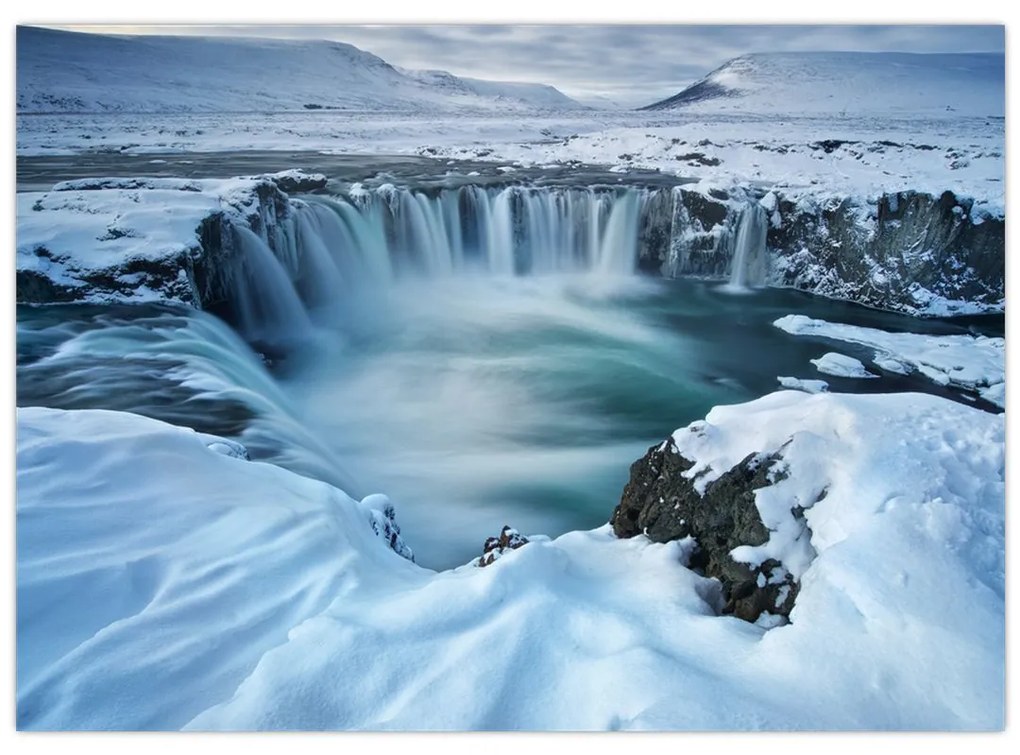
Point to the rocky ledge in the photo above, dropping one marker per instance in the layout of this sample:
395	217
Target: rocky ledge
109	240
149	239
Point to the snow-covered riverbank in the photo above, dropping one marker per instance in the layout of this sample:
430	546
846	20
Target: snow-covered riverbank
248	597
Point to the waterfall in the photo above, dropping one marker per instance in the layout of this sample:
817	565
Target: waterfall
329	249
618	247
503	231
749	256
265	301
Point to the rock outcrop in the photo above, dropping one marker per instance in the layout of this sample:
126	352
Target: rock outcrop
909	252
133	240
509	539
906	252
661	502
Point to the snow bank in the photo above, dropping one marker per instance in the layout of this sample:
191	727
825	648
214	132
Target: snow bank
243	596
841	365
808	386
973	363
129	239
145	594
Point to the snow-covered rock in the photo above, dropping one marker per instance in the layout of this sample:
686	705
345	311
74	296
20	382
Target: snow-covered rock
800	384
242	596
143	239
841	365
665	502
383	518
509	539
974	363
132	239
912	252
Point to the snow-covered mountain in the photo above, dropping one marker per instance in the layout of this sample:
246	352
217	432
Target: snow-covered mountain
59	71
850	83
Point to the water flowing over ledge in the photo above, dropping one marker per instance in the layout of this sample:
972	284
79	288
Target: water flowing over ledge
267	258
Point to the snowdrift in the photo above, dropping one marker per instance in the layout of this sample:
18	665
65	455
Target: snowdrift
241	596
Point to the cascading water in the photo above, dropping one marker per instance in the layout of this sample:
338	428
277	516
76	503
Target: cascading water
749	256
264	299
177	365
333	248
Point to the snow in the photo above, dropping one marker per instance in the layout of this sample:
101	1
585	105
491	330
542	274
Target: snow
815	125
973	363
248	597
782	154
143	592
929	304
841	365
68	234
84	228
243	596
537	95
799	384
61	71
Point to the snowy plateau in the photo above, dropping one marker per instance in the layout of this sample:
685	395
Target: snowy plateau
295	336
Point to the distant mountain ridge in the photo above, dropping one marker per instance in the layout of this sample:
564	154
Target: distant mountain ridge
536	94
849	82
61	71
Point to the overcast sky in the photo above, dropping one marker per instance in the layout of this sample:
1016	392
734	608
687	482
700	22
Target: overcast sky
631	65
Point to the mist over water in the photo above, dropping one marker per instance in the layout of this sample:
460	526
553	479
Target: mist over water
483	356
480	401
477	402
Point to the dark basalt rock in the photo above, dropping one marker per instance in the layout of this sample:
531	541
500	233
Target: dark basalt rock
662	504
912	243
893	254
509	539
32	287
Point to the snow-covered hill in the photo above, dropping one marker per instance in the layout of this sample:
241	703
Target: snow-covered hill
61	71
850	82
538	95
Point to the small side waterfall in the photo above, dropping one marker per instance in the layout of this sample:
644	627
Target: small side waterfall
749	258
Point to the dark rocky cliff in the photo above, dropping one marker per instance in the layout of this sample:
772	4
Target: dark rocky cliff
908	252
